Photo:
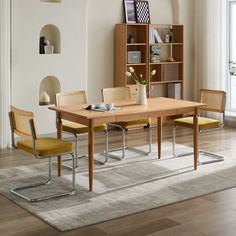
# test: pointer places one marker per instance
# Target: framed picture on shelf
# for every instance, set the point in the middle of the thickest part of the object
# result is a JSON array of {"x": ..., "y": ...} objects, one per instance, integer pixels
[
  {"x": 134, "y": 57},
  {"x": 129, "y": 8},
  {"x": 142, "y": 12}
]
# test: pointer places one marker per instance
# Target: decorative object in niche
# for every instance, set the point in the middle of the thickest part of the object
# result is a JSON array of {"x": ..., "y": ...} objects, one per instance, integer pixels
[
  {"x": 44, "y": 46},
  {"x": 142, "y": 12},
  {"x": 44, "y": 99},
  {"x": 42, "y": 43},
  {"x": 48, "y": 49},
  {"x": 129, "y": 9}
]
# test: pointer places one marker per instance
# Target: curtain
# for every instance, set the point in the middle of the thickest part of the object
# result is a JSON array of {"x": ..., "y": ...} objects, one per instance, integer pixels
[{"x": 210, "y": 45}]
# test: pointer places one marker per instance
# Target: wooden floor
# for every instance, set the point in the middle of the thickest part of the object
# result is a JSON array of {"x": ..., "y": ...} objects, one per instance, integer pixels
[{"x": 210, "y": 215}]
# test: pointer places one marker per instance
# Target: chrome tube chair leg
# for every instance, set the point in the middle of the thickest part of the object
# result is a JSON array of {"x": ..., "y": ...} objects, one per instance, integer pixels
[
  {"x": 216, "y": 157},
  {"x": 124, "y": 147},
  {"x": 78, "y": 157},
  {"x": 69, "y": 193},
  {"x": 149, "y": 144}
]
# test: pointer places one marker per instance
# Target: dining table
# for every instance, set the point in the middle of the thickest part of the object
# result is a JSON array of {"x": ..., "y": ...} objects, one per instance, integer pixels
[{"x": 156, "y": 108}]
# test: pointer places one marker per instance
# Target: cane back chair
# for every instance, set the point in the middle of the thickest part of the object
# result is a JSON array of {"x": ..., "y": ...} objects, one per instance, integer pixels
[
  {"x": 215, "y": 103},
  {"x": 77, "y": 98},
  {"x": 113, "y": 95},
  {"x": 22, "y": 124}
]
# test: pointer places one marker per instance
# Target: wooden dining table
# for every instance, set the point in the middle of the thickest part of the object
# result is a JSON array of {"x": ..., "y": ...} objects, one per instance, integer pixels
[{"x": 156, "y": 108}]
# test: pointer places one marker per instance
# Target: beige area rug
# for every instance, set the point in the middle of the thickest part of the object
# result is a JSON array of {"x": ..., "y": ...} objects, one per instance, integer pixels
[{"x": 123, "y": 187}]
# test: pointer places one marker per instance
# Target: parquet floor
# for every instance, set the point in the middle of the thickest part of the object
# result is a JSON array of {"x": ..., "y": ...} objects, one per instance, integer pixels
[{"x": 210, "y": 215}]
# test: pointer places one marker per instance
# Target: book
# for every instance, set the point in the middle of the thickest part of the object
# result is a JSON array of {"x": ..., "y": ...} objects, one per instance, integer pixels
[
  {"x": 102, "y": 107},
  {"x": 151, "y": 36},
  {"x": 157, "y": 37}
]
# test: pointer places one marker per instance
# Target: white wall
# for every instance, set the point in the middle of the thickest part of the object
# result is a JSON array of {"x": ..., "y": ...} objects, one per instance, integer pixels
[
  {"x": 87, "y": 47},
  {"x": 187, "y": 18},
  {"x": 29, "y": 68},
  {"x": 101, "y": 25}
]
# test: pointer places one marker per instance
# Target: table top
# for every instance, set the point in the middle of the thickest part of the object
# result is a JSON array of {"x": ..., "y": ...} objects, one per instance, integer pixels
[{"x": 156, "y": 107}]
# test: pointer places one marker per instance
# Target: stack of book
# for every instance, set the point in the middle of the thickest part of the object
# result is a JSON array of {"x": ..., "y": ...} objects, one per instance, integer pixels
[{"x": 154, "y": 36}]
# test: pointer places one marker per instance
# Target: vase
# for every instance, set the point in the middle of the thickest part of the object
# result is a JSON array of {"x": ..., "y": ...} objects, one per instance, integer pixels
[
  {"x": 142, "y": 94},
  {"x": 44, "y": 99},
  {"x": 48, "y": 49}
]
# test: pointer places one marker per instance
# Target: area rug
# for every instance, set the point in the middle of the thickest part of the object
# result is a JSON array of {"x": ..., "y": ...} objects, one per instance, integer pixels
[{"x": 132, "y": 185}]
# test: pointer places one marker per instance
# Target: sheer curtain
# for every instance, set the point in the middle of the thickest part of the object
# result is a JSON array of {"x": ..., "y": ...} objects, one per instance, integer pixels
[{"x": 210, "y": 45}]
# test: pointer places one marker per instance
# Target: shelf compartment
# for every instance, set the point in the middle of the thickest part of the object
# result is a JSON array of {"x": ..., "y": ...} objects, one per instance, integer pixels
[
  {"x": 138, "y": 48},
  {"x": 167, "y": 73},
  {"x": 168, "y": 90},
  {"x": 137, "y": 33}
]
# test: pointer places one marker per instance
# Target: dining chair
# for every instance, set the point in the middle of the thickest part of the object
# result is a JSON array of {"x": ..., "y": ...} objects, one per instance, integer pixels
[
  {"x": 22, "y": 124},
  {"x": 78, "y": 98},
  {"x": 215, "y": 104},
  {"x": 113, "y": 95}
]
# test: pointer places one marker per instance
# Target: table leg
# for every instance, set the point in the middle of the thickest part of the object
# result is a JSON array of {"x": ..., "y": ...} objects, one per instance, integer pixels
[
  {"x": 59, "y": 135},
  {"x": 159, "y": 136},
  {"x": 91, "y": 154},
  {"x": 195, "y": 138}
]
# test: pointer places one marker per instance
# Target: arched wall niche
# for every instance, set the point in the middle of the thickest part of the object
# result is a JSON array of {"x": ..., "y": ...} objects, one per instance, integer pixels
[
  {"x": 53, "y": 36},
  {"x": 51, "y": 86}
]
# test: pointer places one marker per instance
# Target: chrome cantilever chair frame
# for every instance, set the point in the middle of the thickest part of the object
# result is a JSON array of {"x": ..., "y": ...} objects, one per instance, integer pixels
[
  {"x": 80, "y": 99},
  {"x": 16, "y": 190},
  {"x": 216, "y": 157},
  {"x": 81, "y": 156},
  {"x": 125, "y": 93},
  {"x": 124, "y": 147}
]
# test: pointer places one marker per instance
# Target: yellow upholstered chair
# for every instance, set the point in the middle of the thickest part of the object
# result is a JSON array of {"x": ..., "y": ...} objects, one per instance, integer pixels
[
  {"x": 215, "y": 103},
  {"x": 77, "y": 98},
  {"x": 113, "y": 95},
  {"x": 22, "y": 124}
]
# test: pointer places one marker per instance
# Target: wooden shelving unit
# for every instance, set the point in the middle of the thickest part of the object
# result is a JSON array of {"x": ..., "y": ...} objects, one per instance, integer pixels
[{"x": 169, "y": 79}]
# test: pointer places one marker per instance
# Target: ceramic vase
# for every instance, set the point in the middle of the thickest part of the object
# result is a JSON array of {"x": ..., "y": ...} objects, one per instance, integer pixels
[
  {"x": 44, "y": 99},
  {"x": 142, "y": 94},
  {"x": 48, "y": 49}
]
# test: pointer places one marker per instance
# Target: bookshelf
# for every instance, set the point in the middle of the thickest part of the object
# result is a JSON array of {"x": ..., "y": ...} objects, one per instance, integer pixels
[{"x": 159, "y": 51}]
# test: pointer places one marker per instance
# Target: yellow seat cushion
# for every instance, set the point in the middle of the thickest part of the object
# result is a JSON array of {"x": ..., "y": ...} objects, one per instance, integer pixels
[
  {"x": 126, "y": 124},
  {"x": 76, "y": 128},
  {"x": 204, "y": 123},
  {"x": 46, "y": 146}
]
